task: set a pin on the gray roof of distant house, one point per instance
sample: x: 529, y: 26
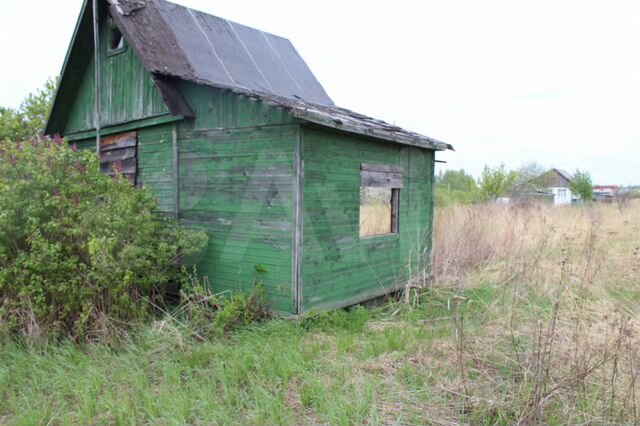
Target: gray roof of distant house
x: 564, y: 174
x: 561, y: 178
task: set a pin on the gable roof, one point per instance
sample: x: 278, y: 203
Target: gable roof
x: 564, y: 174
x: 174, y: 42
x: 560, y: 179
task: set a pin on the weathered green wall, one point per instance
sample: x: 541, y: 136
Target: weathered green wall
x: 127, y: 91
x: 338, y: 267
x: 155, y: 162
x: 237, y: 182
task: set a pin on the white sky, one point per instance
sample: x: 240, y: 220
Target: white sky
x: 553, y: 81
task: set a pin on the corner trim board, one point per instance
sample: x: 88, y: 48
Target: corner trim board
x: 297, y: 225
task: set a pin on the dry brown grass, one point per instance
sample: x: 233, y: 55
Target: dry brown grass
x: 561, y: 290
x: 375, y: 219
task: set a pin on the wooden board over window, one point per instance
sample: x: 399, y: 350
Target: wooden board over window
x: 119, y: 154
x: 381, y: 176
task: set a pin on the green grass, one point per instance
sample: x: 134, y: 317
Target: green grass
x: 497, y: 346
x: 394, y: 364
x: 342, y: 367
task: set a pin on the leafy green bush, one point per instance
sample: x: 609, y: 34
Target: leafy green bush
x: 79, y: 251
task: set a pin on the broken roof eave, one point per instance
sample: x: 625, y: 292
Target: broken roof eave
x: 420, y: 142
x: 344, y: 120
x: 312, y: 113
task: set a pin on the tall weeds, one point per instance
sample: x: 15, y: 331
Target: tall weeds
x: 565, y: 315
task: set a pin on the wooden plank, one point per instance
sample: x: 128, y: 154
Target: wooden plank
x: 117, y: 155
x: 381, y: 179
x: 385, y: 168
x: 128, y: 166
x: 125, y: 127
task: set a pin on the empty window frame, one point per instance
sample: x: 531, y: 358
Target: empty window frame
x: 119, y: 155
x: 116, y: 39
x: 380, y: 199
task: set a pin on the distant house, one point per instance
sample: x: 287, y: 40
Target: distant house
x: 607, y: 189
x: 559, y: 184
x: 605, y: 193
x: 232, y: 132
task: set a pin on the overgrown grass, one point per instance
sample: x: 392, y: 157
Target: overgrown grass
x: 533, y: 318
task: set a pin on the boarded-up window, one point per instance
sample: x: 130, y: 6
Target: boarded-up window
x: 380, y: 199
x: 119, y: 154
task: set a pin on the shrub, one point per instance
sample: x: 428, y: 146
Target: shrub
x: 496, y: 182
x: 581, y: 185
x: 205, y: 314
x: 79, y: 251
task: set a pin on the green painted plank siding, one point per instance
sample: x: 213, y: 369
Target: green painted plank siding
x: 220, y: 109
x: 155, y: 164
x: 127, y: 91
x: 238, y: 185
x: 338, y: 267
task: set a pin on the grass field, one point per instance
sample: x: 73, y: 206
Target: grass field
x: 533, y: 318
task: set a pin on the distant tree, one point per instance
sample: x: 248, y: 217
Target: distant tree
x: 496, y: 182
x: 456, y: 186
x: 29, y: 120
x: 581, y: 184
x: 457, y: 180
x: 531, y: 177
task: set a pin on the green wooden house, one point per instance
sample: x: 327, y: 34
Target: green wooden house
x: 229, y: 128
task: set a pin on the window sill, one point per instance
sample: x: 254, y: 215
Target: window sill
x: 116, y: 52
x: 381, y: 236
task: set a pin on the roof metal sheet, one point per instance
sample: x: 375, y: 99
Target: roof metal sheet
x: 174, y: 40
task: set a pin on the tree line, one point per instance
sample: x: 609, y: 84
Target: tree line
x: 531, y: 180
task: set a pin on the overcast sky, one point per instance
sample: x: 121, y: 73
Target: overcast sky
x: 553, y: 81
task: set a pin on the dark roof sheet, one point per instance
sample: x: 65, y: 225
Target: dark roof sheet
x: 177, y: 41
